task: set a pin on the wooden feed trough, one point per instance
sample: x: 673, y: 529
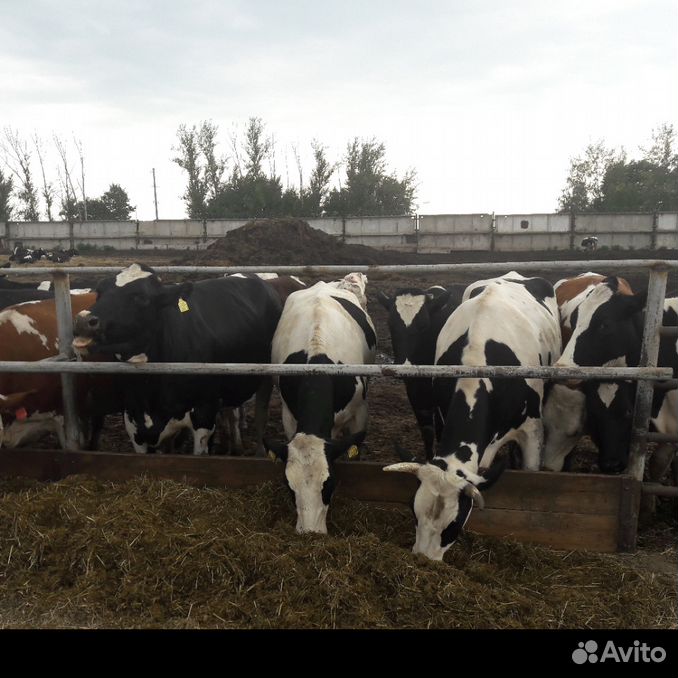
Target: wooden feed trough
x: 562, y: 510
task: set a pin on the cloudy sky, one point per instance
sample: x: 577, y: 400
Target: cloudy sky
x: 486, y: 99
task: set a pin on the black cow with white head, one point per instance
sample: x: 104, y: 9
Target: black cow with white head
x: 323, y: 416
x: 507, y: 321
x: 415, y: 318
x: 137, y: 318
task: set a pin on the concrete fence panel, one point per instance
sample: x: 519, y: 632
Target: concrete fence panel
x: 593, y: 224
x: 526, y: 241
x: 668, y: 221
x: 330, y: 225
x: 447, y: 224
x: 532, y: 223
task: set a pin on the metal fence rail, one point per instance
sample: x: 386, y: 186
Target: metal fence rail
x: 648, y: 375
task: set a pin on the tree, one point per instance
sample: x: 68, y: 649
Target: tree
x: 48, y: 192
x: 318, y: 187
x: 662, y: 152
x: 604, y: 180
x: 189, y: 159
x: 113, y: 205
x: 69, y: 210
x: 583, y: 188
x: 18, y: 160
x: 5, y: 195
x: 369, y: 189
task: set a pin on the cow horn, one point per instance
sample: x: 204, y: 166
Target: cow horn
x: 472, y: 491
x: 404, y: 467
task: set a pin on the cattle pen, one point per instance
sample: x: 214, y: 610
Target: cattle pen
x: 561, y: 510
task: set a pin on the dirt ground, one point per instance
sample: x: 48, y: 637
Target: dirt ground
x: 390, y: 416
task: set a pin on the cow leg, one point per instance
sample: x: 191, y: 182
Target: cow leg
x: 242, y: 421
x: 289, y: 422
x: 261, y: 413
x: 96, y: 426
x: 203, y: 419
x: 659, y: 465
x: 426, y: 428
x: 130, y: 427
x: 232, y: 422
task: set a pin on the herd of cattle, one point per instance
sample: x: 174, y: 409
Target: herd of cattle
x: 590, y: 320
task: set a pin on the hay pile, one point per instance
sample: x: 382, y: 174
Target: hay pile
x: 86, y: 553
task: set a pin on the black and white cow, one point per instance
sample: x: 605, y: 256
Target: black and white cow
x: 415, y: 318
x: 323, y: 324
x: 571, y: 411
x: 607, y: 331
x: 137, y: 319
x: 509, y: 320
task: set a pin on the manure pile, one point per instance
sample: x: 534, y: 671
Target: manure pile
x: 290, y: 242
x: 159, y: 554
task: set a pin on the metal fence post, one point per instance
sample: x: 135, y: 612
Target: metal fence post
x: 64, y: 314
x: 654, y: 311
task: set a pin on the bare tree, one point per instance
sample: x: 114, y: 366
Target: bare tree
x: 69, y: 204
x: 48, y: 192
x: 78, y: 146
x: 18, y: 161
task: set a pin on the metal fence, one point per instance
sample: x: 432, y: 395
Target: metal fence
x: 647, y: 374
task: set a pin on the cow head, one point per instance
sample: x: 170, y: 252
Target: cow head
x: 443, y: 502
x: 609, y: 407
x: 125, y: 317
x: 606, y: 328
x: 309, y: 474
x: 409, y: 321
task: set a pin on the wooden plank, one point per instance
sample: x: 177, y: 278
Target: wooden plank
x: 524, y: 490
x: 558, y: 530
x: 520, y: 490
x: 561, y: 510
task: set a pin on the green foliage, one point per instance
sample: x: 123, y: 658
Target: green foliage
x: 5, y: 194
x: 369, y: 189
x: 250, y: 191
x: 196, y: 154
x: 604, y: 180
x: 113, y: 205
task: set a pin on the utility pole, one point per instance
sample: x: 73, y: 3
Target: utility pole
x: 155, y: 196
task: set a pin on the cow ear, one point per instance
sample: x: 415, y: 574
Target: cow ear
x: 169, y: 295
x: 437, y: 301
x: 348, y: 445
x: 276, y: 451
x: 491, y: 475
x: 385, y: 300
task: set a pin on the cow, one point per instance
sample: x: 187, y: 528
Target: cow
x: 415, y: 318
x: 590, y: 243
x: 608, y: 331
x: 568, y: 408
x: 322, y: 325
x: 136, y: 318
x: 510, y: 320
x: 32, y: 402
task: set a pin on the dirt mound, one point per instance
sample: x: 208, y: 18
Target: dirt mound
x: 291, y: 242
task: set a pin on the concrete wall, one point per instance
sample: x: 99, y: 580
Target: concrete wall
x: 437, y: 233
x: 455, y: 232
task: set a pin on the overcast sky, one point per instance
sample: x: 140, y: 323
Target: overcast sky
x: 486, y: 99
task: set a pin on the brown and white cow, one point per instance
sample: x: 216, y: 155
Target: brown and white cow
x: 31, y: 403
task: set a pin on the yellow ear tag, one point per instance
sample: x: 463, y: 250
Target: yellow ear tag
x: 183, y: 305
x: 353, y: 452
x: 272, y: 456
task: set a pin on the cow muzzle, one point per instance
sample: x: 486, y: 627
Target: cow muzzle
x: 85, y: 328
